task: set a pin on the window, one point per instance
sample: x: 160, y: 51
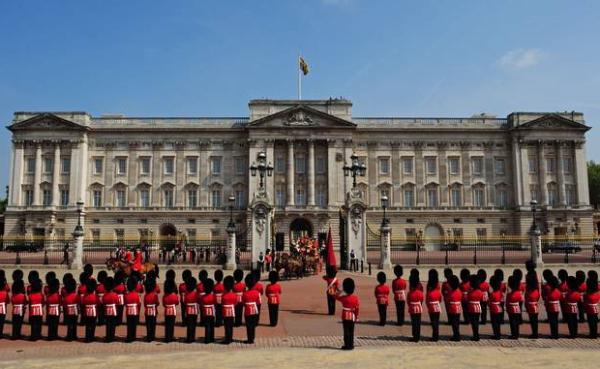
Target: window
x: 407, y: 165
x: 478, y: 196
x: 384, y: 166
x: 279, y: 196
x: 168, y: 166
x: 502, y: 198
x: 192, y: 166
x: 192, y: 198
x: 64, y: 197
x: 121, y: 166
x: 432, y: 197
x: 97, y: 198
x: 30, y: 165
x: 238, y: 166
x: 144, y: 198
x: 481, y: 233
x: 239, y: 199
x: 96, y: 237
x: 168, y: 198
x: 455, y: 196
x: 431, y: 165
x: 98, y: 164
x: 48, y: 165
x: 216, y: 198
x: 500, y: 166
x: 65, y: 165
x: 120, y: 236
x: 454, y: 165
x: 300, y: 165
x: 570, y: 194
x: 477, y: 164
x: 534, y: 192
x: 550, y: 164
x: 568, y: 165
x: 320, y: 164
x: 46, y: 197
x: 321, y: 196
x: 28, y: 197
x: 215, y: 165
x: 121, y: 198
x: 279, y: 164
x: 552, y: 194
x: 145, y: 166
x: 300, y: 199
x: 532, y: 164
x: 409, y: 197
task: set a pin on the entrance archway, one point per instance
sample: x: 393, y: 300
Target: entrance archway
x: 434, y: 237
x: 168, y: 236
x: 300, y: 227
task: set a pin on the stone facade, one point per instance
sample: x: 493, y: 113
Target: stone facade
x: 145, y: 177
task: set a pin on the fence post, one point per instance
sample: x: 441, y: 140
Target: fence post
x: 475, y: 254
x: 536, y: 247
x: 369, y: 269
x: 503, y: 260
x: 384, y: 252
x: 46, y: 257
x: 362, y: 266
x: 231, y: 262
x: 446, y: 259
x: 594, y: 254
x: 418, y: 261
x: 18, y: 258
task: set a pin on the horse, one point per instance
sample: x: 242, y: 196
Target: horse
x: 114, y: 264
x: 291, y: 266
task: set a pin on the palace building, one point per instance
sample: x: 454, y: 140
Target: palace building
x: 143, y: 178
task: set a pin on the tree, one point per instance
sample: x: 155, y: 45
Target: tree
x: 594, y: 183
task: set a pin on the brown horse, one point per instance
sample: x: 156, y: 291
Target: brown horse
x: 291, y: 266
x: 115, y: 264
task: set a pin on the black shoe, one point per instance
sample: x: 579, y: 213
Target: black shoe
x: 533, y: 336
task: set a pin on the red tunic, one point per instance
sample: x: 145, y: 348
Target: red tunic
x: 484, y: 287
x: 382, y: 294
x: 546, y: 288
x: 464, y: 287
x: 532, y: 297
x: 191, y: 302
x: 590, y: 301
x: 4, y: 301
x: 182, y: 291
x: 71, y: 303
x: 251, y: 299
x: 53, y: 302
x: 89, y: 302
x: 495, y: 302
x: 170, y: 302
x: 218, y: 290
x: 273, y: 293
x: 454, y: 299
x: 110, y: 300
x: 445, y: 289
x: 432, y: 299
x: 553, y: 299
x: 415, y: 299
x: 228, y: 304
x: 132, y: 303
x: 151, y: 303
x: 260, y: 289
x: 399, y: 289
x: 120, y: 291
x: 18, y: 302
x: 571, y: 300
x: 350, y: 307
x: 474, y: 298
x: 36, y: 304
x: 239, y: 289
x: 208, y: 301
x: 100, y: 291
x: 513, y: 298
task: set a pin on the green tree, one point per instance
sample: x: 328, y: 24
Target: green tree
x: 594, y: 182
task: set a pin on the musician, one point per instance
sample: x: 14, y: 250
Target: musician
x: 382, y: 296
x: 484, y: 286
x: 465, y: 287
x: 553, y: 301
x: 228, y: 303
x: 120, y: 290
x: 581, y: 288
x: 100, y: 291
x: 350, y: 309
x: 571, y: 305
x: 185, y: 275
x: 333, y: 286
x: 53, y: 302
x: 151, y: 303
x: 513, y: 306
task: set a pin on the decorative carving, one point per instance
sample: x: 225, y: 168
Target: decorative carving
x: 260, y: 220
x: 356, y: 220
x: 298, y: 118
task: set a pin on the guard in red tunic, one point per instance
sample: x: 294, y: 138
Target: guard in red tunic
x: 454, y: 301
x: 446, y: 286
x: 90, y: 307
x: 513, y: 306
x: 71, y: 308
x: 238, y: 288
x: 191, y: 309
x: 208, y: 307
x: 218, y: 290
x: 484, y: 286
x: 36, y: 309
x: 273, y: 292
x: 332, y: 290
x: 53, y: 303
x: 81, y: 291
x: 465, y: 287
x: 100, y: 291
x: 48, y: 278
x: 590, y: 302
x: 571, y: 305
x: 132, y: 309
x: 228, y: 306
x: 433, y: 299
x: 581, y: 288
x: 350, y: 310
x: 4, y: 301
x: 532, y: 298
x: 495, y: 303
x: 415, y: 299
x: 553, y: 301
x: 151, y: 303
x: 170, y: 302
x: 110, y: 300
x: 382, y: 297
x: 202, y: 276
x: 120, y: 290
x: 261, y: 290
x: 474, y: 298
x: 182, y: 291
x: 563, y: 275
x: 399, y: 290
x: 19, y: 300
x: 251, y: 298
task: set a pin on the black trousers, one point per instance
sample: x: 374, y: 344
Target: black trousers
x: 228, y: 323
x: 514, y: 321
x: 120, y: 314
x: 465, y: 312
x: 400, y: 307
x: 52, y: 321
x: 169, y: 327
x: 209, y: 329
x: 581, y: 312
x: 2, y: 320
x: 17, y: 324
x: 218, y: 315
x: 533, y: 322
x: 150, y: 328
x: 36, y: 327
x: 415, y: 322
x: 273, y: 314
x: 572, y: 323
x: 183, y: 315
x: 454, y: 321
x: 382, y: 313
x: 474, y: 320
x: 553, y: 321
x: 251, y: 323
x: 190, y: 322
x: 71, y: 323
x: 111, y: 325
x: 592, y: 320
x: 348, y: 334
x: 330, y: 304
x: 258, y: 307
x: 484, y: 312
x: 90, y: 328
x: 239, y: 314
x: 435, y: 325
x: 132, y: 322
x: 496, y: 324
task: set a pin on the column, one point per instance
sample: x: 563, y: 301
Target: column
x: 542, y: 174
x: 583, y: 195
x: 311, y: 173
x: 37, y: 177
x: 290, y: 174
x: 83, y: 171
x: 17, y: 165
x: 560, y: 175
x: 56, y: 175
x: 525, y: 176
x: 536, y: 247
x: 231, y: 263
x: 74, y: 175
x: 517, y: 172
x: 385, y: 261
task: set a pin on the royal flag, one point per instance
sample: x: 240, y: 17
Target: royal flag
x: 331, y: 262
x: 303, y: 66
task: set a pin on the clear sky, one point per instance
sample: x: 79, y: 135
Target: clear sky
x: 208, y: 58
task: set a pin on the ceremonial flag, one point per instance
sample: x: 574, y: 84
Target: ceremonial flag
x: 331, y: 262
x: 303, y: 65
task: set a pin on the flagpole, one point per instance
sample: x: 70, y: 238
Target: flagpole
x: 299, y: 79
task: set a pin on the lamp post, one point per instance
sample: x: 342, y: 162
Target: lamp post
x: 262, y: 168
x: 385, y: 242
x: 230, y: 263
x: 384, y: 204
x: 355, y: 169
x: 78, y: 236
x: 536, y: 238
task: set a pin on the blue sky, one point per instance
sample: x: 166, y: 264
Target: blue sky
x: 208, y: 58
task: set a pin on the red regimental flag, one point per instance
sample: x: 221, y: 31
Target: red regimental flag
x: 331, y: 262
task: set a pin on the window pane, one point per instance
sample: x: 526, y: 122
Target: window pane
x: 65, y: 165
x: 98, y: 166
x: 407, y: 164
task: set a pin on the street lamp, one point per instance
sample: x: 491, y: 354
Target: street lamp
x: 262, y: 168
x: 355, y: 169
x: 78, y: 232
x: 384, y: 204
x: 231, y: 224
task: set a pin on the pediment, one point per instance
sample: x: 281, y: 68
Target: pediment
x: 553, y: 122
x: 46, y: 121
x: 301, y: 116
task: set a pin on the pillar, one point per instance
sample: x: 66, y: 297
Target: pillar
x: 536, y: 247
x: 56, y: 175
x: 583, y: 194
x: 311, y: 173
x: 78, y: 238
x: 290, y: 174
x: 231, y: 263
x: 37, y: 176
x: 517, y: 172
x: 17, y: 166
x: 560, y: 175
x: 542, y: 174
x: 385, y: 261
